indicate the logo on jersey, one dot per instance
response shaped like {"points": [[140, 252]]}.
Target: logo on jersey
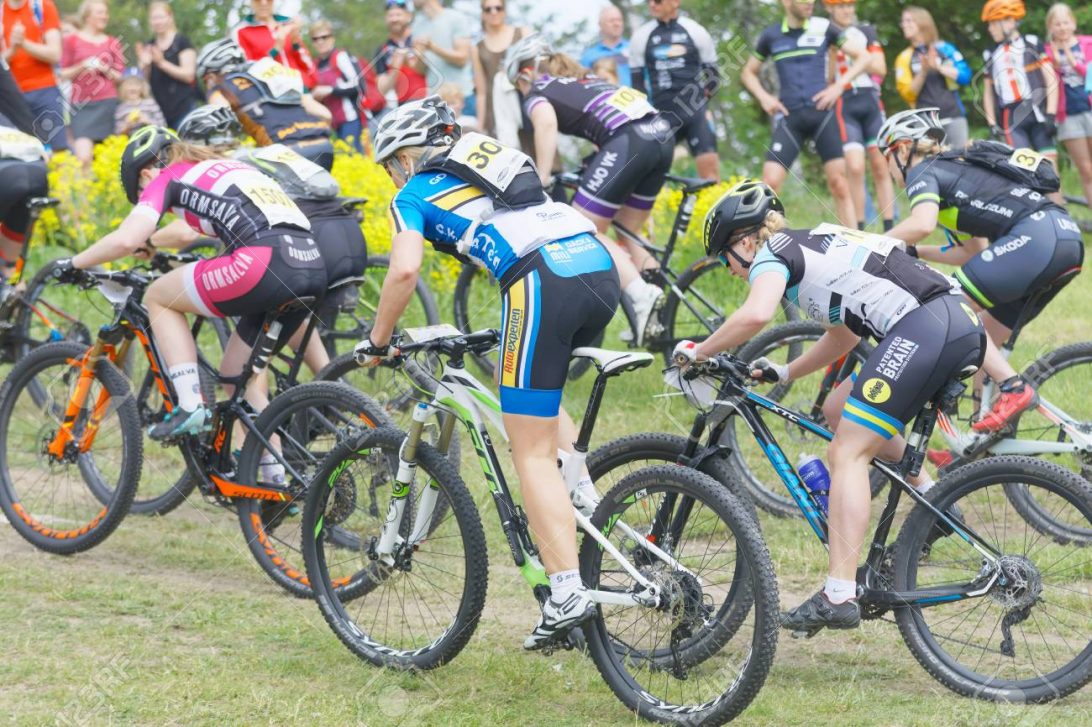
{"points": [[778, 242], [970, 313], [877, 391], [1064, 223], [896, 356], [1005, 248]]}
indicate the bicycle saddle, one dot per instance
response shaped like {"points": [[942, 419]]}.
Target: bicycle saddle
{"points": [[613, 362]]}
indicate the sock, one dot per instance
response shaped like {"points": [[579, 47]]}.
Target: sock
{"points": [[839, 591], [269, 469], [925, 486], [637, 290], [187, 384], [860, 225], [888, 224], [563, 584]]}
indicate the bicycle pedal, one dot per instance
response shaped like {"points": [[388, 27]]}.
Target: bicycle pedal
{"points": [[806, 633]]}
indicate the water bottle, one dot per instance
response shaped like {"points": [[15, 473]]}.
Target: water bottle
{"points": [[816, 478]]}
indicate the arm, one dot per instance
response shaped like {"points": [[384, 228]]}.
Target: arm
{"points": [[988, 109], [49, 50], [174, 235], [831, 346], [749, 77], [186, 68], [347, 86], [315, 108], [961, 72], [637, 47], [957, 255], [756, 312], [218, 99], [921, 221], [129, 237], [877, 65], [457, 56], [853, 46], [544, 119], [407, 251], [1051, 80]]}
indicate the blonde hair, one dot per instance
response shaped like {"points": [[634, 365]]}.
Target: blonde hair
{"points": [[451, 93], [85, 9], [183, 151], [924, 20], [773, 224], [145, 89], [562, 65], [1055, 9], [320, 25], [606, 68]]}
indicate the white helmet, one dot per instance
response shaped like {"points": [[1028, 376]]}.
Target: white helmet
{"points": [[429, 122], [528, 51], [912, 125], [220, 56], [210, 125]]}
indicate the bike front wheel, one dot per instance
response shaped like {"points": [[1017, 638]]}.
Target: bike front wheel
{"points": [[692, 658], [1025, 633]]}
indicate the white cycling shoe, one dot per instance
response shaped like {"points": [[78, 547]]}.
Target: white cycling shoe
{"points": [[560, 618]]}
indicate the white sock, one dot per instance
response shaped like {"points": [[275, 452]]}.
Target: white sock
{"points": [[925, 486], [269, 469], [839, 591], [187, 384], [637, 289], [563, 584]]}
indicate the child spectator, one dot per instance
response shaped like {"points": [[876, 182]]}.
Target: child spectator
{"points": [[136, 107]]}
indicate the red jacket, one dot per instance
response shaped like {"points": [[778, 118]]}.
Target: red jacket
{"points": [[256, 40]]}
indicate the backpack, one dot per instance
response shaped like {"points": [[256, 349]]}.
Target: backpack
{"points": [[1025, 167]]}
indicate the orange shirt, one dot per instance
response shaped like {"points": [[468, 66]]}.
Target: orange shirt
{"points": [[30, 73]]}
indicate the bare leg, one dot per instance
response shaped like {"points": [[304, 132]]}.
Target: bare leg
{"points": [[9, 253], [84, 149], [881, 182], [315, 355], [774, 175], [850, 451], [1080, 151], [855, 176], [167, 304], [634, 220], [708, 165], [838, 185]]}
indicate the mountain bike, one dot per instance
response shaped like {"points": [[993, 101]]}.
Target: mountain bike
{"points": [[75, 457], [695, 303], [990, 606], [687, 621]]}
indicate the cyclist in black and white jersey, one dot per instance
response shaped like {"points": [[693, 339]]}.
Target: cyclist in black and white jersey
{"points": [[798, 47], [673, 61], [857, 284]]}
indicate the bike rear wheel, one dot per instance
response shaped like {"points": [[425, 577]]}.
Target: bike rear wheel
{"points": [[694, 659], [44, 497], [1028, 638]]}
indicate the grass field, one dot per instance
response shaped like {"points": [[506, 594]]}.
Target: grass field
{"points": [[171, 622]]}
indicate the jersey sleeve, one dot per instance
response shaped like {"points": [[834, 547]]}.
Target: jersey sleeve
{"points": [[407, 213], [922, 186], [762, 45], [153, 200], [872, 38], [51, 19], [837, 37], [703, 41], [533, 100], [766, 262]]}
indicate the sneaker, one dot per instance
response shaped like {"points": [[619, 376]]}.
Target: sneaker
{"points": [[940, 458], [1008, 405], [180, 422], [643, 309], [560, 618], [818, 613]]}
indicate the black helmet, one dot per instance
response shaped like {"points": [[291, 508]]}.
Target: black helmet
{"points": [[742, 208], [146, 146], [210, 125]]}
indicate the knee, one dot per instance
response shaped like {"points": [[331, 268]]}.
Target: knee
{"points": [[838, 183], [832, 411], [845, 454]]}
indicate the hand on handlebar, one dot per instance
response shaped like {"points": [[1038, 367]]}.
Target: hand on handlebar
{"points": [[370, 355], [685, 353], [65, 272], [763, 369]]}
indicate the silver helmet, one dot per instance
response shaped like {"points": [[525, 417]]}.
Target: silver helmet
{"points": [[210, 125], [428, 122], [910, 125], [220, 56], [528, 51]]}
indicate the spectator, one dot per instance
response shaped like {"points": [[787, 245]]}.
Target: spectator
{"points": [[13, 103], [488, 57], [169, 62], [1070, 55], [263, 33], [611, 45], [338, 76], [93, 61], [32, 46], [930, 72], [453, 97], [443, 37], [674, 61], [607, 69], [136, 108], [400, 69]]}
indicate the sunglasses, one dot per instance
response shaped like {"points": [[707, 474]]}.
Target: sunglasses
{"points": [[397, 4], [493, 9], [317, 38]]}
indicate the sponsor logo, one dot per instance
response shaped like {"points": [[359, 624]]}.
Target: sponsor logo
{"points": [[1038, 215], [1019, 191], [987, 256], [210, 208], [224, 276], [1010, 246], [602, 171], [511, 342], [970, 313], [914, 188], [876, 391], [778, 242], [991, 207], [896, 356], [302, 255], [1064, 223]]}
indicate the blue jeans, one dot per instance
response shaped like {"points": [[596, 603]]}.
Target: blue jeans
{"points": [[47, 108], [350, 131]]}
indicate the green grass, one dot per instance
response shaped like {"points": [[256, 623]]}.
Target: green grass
{"points": [[170, 622]]}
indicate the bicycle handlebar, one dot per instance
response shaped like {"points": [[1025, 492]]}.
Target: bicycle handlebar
{"points": [[478, 342], [728, 366]]}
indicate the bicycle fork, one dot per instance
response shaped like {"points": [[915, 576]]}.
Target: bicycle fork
{"points": [[58, 446]]}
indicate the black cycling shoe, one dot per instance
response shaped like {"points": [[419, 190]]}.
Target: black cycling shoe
{"points": [[818, 613]]}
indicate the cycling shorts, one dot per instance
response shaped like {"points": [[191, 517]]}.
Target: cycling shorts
{"points": [[941, 340], [628, 170], [320, 150], [790, 132], [555, 299], [22, 180], [1023, 130], [695, 130], [1035, 252], [860, 116], [343, 249], [252, 280]]}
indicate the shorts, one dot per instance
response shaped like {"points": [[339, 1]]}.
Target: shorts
{"points": [[941, 340], [790, 132], [860, 117], [697, 132], [1036, 251], [1077, 126], [344, 251], [320, 150], [22, 180], [252, 280], [628, 170], [1023, 129], [557, 298]]}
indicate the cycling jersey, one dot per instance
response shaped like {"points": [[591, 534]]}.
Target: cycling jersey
{"points": [[669, 56], [1014, 68], [872, 45], [842, 276], [267, 99], [446, 211], [937, 90], [300, 177], [221, 198], [800, 56], [972, 200], [590, 108]]}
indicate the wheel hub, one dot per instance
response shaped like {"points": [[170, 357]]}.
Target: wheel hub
{"points": [[1019, 584], [681, 596], [344, 499]]}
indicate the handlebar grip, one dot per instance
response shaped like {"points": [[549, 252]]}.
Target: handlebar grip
{"points": [[769, 375]]}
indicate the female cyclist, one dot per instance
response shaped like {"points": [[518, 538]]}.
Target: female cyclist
{"points": [[23, 169], [559, 291], [269, 257], [635, 149], [1020, 241], [858, 284]]}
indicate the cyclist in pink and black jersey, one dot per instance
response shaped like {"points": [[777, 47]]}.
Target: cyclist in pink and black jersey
{"points": [[269, 258]]}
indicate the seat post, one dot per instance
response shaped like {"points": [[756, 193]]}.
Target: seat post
{"points": [[591, 412]]}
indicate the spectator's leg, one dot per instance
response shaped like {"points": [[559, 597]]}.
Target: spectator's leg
{"points": [[838, 184], [47, 107], [350, 131], [1080, 151], [85, 152], [708, 165], [885, 191], [774, 175], [855, 176]]}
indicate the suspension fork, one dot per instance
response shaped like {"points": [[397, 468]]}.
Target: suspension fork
{"points": [[76, 403]]}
